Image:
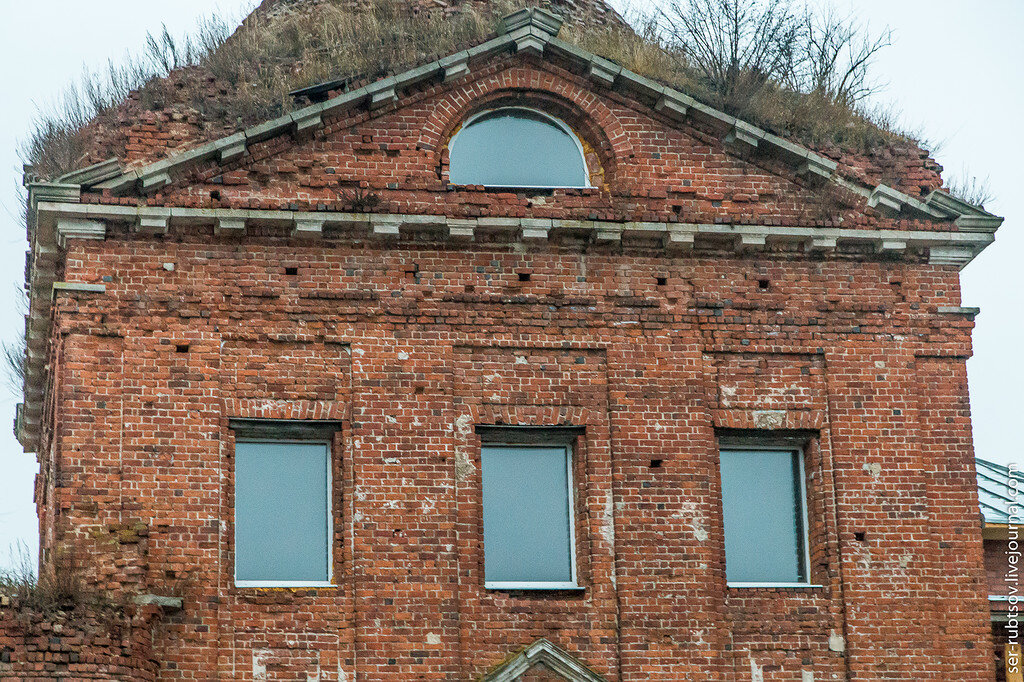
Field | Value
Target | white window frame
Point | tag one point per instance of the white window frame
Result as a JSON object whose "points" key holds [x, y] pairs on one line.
{"points": [[805, 529], [328, 479], [557, 122], [573, 583]]}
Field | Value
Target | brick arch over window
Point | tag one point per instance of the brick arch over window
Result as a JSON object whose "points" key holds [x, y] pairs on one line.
{"points": [[593, 123]]}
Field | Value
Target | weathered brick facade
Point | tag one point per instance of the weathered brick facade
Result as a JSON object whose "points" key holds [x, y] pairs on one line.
{"points": [[530, 308]]}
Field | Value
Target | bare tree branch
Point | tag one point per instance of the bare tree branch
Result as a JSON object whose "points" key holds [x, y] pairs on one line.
{"points": [[14, 350], [741, 46]]}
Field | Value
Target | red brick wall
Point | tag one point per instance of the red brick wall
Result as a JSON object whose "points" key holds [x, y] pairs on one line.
{"points": [[409, 362], [141, 130], [654, 169], [411, 343], [86, 643], [1000, 638], [997, 566]]}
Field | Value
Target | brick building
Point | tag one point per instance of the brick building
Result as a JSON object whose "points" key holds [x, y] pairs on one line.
{"points": [[368, 393], [998, 492]]}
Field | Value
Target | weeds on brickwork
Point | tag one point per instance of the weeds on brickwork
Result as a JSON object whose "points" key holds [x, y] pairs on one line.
{"points": [[970, 188], [799, 73], [24, 587], [14, 349], [58, 142], [257, 66], [266, 59], [359, 200]]}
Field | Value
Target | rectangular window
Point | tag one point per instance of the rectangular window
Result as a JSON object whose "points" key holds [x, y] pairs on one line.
{"points": [[529, 530], [282, 513], [765, 517]]}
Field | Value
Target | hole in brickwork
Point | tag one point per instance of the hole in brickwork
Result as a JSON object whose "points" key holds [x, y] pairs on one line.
{"points": [[470, 288], [291, 271], [524, 277], [181, 348], [661, 281], [860, 536], [763, 284], [656, 463], [215, 195]]}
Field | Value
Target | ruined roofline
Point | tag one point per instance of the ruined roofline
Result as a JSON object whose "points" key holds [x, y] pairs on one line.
{"points": [[529, 31], [534, 31]]}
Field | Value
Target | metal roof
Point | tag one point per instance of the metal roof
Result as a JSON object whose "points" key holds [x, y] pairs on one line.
{"points": [[996, 484]]}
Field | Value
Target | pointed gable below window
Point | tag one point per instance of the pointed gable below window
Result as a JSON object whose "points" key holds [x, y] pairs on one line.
{"points": [[542, 660]]}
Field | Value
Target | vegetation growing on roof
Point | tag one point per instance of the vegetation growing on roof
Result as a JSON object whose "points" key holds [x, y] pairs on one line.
{"points": [[255, 68], [800, 74], [61, 590], [13, 350], [970, 188]]}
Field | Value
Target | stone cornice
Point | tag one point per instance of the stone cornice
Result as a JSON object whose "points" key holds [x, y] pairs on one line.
{"points": [[71, 221], [543, 653]]}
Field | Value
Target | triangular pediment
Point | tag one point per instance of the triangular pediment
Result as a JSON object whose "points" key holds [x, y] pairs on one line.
{"points": [[543, 657], [533, 33]]}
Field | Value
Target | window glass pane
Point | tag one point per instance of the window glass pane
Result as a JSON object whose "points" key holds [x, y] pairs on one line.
{"points": [[763, 516], [526, 515], [281, 511], [515, 148]]}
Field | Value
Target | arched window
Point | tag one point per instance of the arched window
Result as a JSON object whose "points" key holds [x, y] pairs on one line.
{"points": [[516, 147]]}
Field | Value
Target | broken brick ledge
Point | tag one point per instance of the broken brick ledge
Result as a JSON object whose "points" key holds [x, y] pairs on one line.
{"points": [[83, 642]]}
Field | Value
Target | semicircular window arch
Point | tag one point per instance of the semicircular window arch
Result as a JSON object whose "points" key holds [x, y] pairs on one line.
{"points": [[516, 147]]}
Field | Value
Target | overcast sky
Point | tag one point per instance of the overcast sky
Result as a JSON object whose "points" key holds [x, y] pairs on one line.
{"points": [[956, 71]]}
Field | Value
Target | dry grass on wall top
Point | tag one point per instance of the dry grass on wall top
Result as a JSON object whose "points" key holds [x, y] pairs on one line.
{"points": [[267, 59], [239, 79], [229, 80], [803, 97], [60, 588]]}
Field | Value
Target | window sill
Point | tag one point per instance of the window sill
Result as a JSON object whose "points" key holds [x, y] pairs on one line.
{"points": [[532, 586], [792, 586], [283, 583], [513, 188]]}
